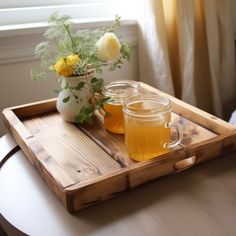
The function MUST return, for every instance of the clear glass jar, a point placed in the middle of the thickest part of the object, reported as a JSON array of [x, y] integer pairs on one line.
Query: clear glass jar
[[147, 126], [118, 91]]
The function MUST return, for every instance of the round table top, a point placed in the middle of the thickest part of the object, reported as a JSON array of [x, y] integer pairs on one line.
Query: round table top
[[198, 201]]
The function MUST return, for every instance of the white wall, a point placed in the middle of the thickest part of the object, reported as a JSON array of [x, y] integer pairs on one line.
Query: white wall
[[17, 59]]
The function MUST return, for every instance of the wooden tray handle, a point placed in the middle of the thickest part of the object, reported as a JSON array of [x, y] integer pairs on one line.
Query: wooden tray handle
[[185, 163]]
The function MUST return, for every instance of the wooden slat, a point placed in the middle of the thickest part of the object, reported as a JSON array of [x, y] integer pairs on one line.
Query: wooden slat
[[123, 180], [113, 144], [192, 133], [35, 108], [25, 140], [37, 153], [84, 195], [13, 120], [61, 176], [75, 153]]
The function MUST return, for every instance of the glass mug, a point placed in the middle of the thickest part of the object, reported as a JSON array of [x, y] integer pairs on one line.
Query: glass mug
[[117, 91], [147, 126]]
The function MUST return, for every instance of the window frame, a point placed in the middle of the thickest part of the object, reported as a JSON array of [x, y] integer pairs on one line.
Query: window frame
[[11, 15], [18, 39]]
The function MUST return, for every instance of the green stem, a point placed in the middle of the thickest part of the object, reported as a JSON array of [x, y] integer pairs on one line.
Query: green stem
[[103, 64], [56, 42], [71, 39]]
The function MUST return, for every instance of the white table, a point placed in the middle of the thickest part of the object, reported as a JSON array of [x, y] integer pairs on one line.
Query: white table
[[199, 201]]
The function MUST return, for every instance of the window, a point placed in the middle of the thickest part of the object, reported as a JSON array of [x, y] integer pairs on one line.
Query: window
[[22, 22], [14, 12]]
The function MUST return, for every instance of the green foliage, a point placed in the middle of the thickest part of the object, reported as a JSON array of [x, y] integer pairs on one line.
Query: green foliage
[[101, 102], [80, 85], [66, 99], [125, 51], [96, 85], [85, 115], [35, 76], [61, 41]]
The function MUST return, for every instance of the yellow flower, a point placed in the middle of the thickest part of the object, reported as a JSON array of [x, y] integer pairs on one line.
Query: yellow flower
[[108, 47], [65, 65]]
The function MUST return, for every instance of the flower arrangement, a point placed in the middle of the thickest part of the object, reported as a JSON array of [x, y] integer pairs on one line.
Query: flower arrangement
[[80, 54]]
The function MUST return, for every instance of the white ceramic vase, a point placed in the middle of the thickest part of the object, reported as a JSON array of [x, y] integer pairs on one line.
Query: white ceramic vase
[[74, 94]]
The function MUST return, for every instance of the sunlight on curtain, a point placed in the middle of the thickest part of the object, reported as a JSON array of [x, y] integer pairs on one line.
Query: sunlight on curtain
[[187, 46], [169, 8], [153, 50]]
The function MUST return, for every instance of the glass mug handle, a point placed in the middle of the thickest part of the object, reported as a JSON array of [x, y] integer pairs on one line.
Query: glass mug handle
[[179, 132]]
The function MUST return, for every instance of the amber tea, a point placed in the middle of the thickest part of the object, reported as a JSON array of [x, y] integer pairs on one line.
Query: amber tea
[[117, 91], [114, 120], [147, 127]]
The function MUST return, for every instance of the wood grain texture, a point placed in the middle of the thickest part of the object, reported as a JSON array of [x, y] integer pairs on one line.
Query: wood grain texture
[[192, 132], [74, 152], [35, 108], [12, 120], [192, 113], [28, 143], [84, 165], [114, 144]]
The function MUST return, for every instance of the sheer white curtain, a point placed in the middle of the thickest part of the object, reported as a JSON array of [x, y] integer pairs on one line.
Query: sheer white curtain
[[187, 49]]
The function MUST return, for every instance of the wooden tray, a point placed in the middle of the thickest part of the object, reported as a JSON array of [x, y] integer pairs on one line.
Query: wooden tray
[[84, 165]]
